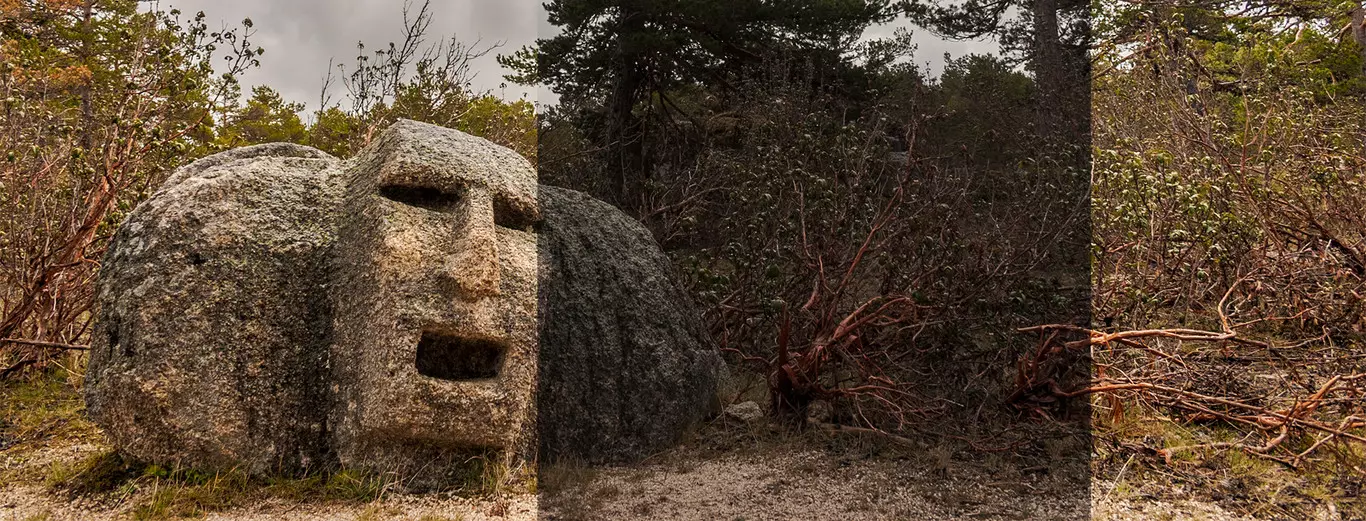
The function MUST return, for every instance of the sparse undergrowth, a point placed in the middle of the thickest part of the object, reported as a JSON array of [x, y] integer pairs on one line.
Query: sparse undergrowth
[[1126, 458], [1163, 447], [41, 410], [157, 492]]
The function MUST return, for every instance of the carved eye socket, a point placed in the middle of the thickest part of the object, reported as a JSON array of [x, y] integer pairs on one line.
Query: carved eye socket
[[429, 198], [511, 217]]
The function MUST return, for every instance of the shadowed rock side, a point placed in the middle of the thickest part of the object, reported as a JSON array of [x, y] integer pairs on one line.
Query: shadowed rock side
[[625, 367], [210, 347]]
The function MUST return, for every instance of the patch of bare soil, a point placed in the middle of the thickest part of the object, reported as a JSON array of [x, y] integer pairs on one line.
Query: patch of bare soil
[[799, 477], [1158, 510], [806, 477], [1111, 506]]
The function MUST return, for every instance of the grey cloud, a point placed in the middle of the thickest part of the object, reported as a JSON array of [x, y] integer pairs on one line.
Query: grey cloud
[[930, 49], [300, 36]]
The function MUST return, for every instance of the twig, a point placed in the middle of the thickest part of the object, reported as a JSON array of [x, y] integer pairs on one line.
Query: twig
[[39, 343]]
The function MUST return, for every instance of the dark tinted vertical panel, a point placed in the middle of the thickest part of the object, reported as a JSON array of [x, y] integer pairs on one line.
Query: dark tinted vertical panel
[[889, 251]]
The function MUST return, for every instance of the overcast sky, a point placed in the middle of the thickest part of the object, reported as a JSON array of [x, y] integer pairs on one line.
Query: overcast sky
[[299, 36]]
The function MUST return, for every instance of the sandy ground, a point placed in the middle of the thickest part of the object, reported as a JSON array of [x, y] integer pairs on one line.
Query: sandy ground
[[796, 483], [787, 481], [1105, 507], [1160, 510]]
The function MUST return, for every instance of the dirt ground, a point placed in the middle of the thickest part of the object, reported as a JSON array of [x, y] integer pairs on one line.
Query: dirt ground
[[27, 502], [24, 496], [806, 478], [782, 481], [794, 483], [729, 472]]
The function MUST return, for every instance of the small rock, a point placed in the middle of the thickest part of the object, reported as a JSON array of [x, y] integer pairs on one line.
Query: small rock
[[745, 411], [819, 412]]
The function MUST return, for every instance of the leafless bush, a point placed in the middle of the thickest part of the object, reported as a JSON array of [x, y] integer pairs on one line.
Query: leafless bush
[[425, 82]]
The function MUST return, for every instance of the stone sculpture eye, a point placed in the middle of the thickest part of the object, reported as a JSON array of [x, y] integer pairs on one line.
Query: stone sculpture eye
[[429, 198], [509, 216]]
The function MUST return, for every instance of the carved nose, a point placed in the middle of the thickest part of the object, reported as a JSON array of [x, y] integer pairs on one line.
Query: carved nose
[[473, 266]]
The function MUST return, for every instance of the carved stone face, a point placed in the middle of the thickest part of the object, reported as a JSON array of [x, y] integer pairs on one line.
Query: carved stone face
[[274, 309], [435, 290]]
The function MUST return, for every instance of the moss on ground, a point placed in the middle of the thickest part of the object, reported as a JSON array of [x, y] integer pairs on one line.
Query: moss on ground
[[1238, 480], [38, 411]]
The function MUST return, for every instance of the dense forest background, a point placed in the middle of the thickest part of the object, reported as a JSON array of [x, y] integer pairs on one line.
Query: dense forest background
[[863, 237]]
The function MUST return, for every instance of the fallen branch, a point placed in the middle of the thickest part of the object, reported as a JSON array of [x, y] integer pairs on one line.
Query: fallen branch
[[16, 367], [39, 343], [1035, 387]]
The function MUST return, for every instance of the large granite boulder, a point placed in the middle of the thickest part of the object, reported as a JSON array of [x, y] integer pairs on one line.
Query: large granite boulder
[[210, 344], [274, 309]]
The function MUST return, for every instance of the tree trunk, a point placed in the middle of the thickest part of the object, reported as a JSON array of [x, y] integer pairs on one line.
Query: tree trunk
[[623, 128], [1048, 73], [1359, 32]]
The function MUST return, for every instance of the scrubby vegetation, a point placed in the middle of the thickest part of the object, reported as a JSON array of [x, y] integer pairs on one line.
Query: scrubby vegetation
[[102, 100], [864, 238], [1228, 195]]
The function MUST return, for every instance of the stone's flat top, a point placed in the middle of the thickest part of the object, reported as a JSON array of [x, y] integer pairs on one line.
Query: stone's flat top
[[266, 150], [412, 153]]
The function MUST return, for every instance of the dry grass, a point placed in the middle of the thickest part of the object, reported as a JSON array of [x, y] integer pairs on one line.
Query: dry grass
[[48, 443], [35, 412], [1154, 449]]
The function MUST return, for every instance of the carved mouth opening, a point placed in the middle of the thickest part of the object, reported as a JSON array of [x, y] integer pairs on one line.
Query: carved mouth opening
[[454, 357]]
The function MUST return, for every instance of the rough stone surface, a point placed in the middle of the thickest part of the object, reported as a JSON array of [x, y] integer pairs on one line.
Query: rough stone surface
[[625, 367], [273, 308], [210, 343], [429, 277]]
